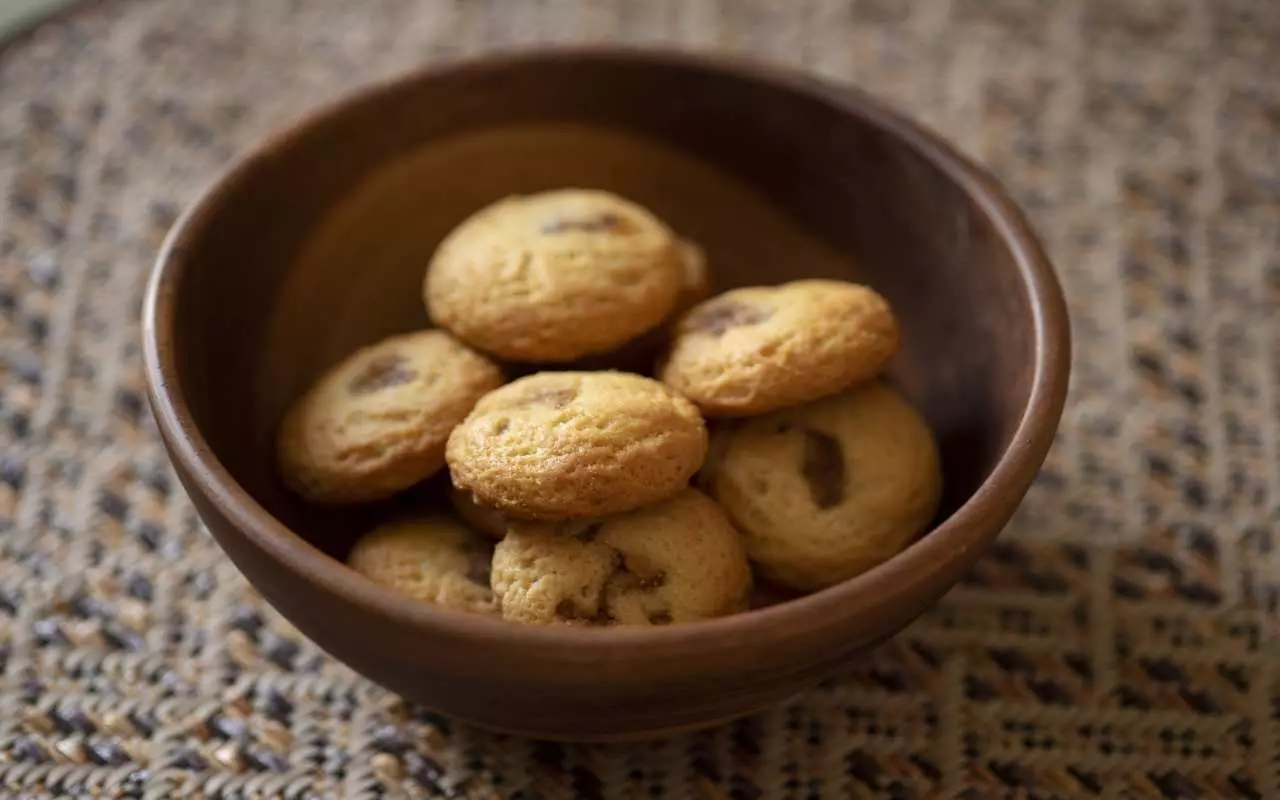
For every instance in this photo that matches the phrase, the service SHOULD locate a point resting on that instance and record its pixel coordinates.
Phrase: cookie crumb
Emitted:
(388, 768)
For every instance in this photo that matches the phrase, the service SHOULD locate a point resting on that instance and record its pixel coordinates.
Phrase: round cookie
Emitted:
(433, 559)
(479, 517)
(557, 445)
(755, 350)
(676, 561)
(555, 276)
(825, 491)
(377, 422)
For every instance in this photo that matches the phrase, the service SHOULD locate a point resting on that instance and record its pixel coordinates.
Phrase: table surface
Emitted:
(1119, 641)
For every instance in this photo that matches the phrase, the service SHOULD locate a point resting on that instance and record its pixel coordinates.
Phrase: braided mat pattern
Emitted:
(1120, 641)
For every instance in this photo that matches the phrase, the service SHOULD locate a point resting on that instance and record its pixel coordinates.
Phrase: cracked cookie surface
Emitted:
(434, 559)
(555, 276)
(675, 561)
(759, 349)
(377, 423)
(825, 491)
(558, 445)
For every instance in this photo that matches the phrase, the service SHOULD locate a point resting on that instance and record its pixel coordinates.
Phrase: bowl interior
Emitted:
(321, 243)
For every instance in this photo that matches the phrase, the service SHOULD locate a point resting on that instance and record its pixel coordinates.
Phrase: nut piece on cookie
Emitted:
(755, 350)
(377, 422)
(676, 561)
(434, 559)
(558, 445)
(826, 491)
(555, 276)
(479, 517)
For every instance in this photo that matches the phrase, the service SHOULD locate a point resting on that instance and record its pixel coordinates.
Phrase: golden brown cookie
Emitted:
(555, 276)
(479, 517)
(676, 561)
(433, 559)
(750, 351)
(377, 422)
(825, 491)
(557, 445)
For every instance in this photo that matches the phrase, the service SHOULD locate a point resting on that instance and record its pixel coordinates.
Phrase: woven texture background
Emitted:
(1120, 640)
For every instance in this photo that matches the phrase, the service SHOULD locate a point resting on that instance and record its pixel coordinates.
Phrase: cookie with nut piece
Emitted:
(557, 445)
(377, 422)
(555, 276)
(675, 561)
(754, 350)
(825, 491)
(434, 559)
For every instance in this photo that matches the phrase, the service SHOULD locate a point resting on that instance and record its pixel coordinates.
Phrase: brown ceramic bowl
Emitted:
(316, 242)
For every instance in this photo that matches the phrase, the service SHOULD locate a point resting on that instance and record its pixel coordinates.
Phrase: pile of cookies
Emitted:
(608, 500)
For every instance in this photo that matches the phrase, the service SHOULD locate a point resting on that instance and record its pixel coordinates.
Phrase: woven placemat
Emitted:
(1119, 641)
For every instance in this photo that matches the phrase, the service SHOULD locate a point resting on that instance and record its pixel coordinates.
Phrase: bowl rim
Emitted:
(948, 548)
